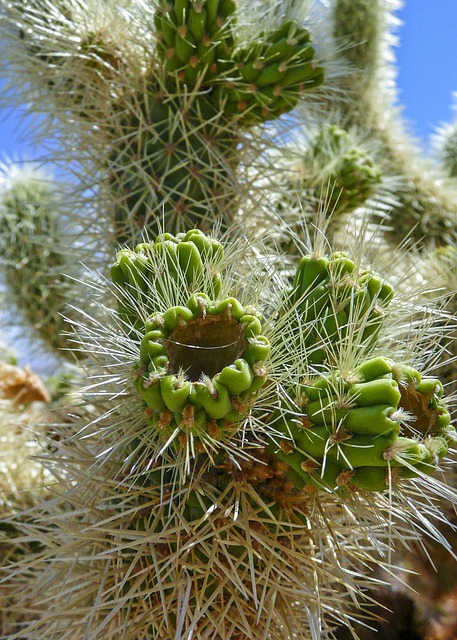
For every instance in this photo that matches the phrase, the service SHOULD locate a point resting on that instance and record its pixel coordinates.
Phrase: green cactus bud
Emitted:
(381, 414)
(380, 391)
(330, 297)
(374, 368)
(333, 169)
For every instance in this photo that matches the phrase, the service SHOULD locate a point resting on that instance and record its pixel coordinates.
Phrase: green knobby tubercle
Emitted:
(237, 377)
(371, 420)
(373, 368)
(381, 391)
(334, 302)
(175, 392)
(360, 451)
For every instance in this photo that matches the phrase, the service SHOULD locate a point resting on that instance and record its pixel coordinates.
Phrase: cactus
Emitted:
(333, 300)
(355, 430)
(425, 203)
(444, 145)
(261, 411)
(176, 135)
(33, 261)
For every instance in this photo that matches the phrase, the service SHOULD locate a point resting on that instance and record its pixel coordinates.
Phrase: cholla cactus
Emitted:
(425, 200)
(444, 143)
(31, 253)
(252, 430)
(202, 491)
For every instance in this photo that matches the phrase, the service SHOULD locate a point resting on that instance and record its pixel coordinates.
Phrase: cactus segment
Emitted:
(271, 74)
(349, 170)
(174, 160)
(176, 147)
(33, 258)
(202, 383)
(390, 425)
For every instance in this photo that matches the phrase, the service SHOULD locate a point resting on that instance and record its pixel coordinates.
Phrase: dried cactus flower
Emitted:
(21, 386)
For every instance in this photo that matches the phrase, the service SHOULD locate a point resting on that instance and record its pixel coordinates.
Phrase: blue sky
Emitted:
(427, 71)
(427, 63)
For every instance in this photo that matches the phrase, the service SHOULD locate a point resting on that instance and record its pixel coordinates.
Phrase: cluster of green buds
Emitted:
(334, 301)
(202, 358)
(195, 38)
(190, 261)
(367, 429)
(349, 170)
(271, 74)
(257, 82)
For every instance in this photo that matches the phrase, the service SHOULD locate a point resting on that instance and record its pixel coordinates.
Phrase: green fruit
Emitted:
(205, 359)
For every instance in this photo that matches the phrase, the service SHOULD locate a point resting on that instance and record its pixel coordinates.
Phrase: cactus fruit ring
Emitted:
(199, 366)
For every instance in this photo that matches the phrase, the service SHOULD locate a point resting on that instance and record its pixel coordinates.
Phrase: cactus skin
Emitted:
(358, 26)
(358, 428)
(33, 264)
